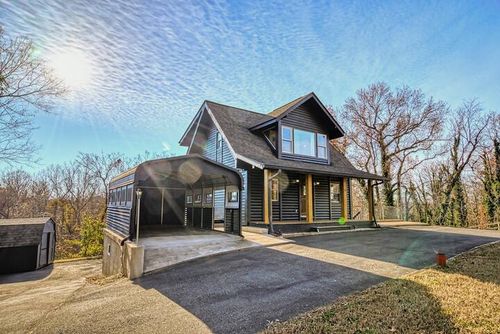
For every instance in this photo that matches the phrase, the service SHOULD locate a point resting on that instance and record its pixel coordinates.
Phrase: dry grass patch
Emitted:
(100, 279)
(462, 298)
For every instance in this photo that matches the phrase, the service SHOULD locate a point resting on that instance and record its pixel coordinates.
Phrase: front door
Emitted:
(303, 201)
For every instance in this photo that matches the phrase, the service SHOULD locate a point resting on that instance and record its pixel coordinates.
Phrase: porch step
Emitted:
(328, 228)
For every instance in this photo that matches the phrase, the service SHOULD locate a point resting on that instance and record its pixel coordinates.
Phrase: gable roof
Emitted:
(22, 231)
(278, 111)
(234, 123)
(284, 110)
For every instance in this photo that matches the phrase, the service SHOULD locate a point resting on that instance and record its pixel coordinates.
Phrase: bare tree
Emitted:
(467, 137)
(103, 166)
(26, 86)
(391, 131)
(14, 191)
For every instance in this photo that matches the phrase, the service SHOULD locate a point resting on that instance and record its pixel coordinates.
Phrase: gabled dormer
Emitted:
(301, 130)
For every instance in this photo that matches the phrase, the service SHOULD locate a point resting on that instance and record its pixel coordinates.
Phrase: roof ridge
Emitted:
(227, 105)
(278, 111)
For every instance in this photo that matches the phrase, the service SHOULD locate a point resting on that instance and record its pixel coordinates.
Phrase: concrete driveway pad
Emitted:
(237, 292)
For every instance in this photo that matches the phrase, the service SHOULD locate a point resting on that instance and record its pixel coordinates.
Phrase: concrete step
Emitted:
(329, 228)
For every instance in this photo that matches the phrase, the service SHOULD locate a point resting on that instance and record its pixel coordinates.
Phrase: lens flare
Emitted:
(73, 67)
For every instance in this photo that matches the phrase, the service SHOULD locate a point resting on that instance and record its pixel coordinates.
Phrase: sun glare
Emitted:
(73, 67)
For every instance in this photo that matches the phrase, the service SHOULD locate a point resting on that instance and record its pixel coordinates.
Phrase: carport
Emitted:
(161, 202)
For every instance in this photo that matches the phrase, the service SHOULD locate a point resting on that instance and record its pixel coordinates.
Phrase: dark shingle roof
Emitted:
(235, 124)
(21, 231)
(278, 111)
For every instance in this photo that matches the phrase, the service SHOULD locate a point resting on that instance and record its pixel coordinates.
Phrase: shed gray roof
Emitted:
(22, 231)
(235, 124)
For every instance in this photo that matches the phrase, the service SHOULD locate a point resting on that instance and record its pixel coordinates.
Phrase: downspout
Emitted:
(270, 202)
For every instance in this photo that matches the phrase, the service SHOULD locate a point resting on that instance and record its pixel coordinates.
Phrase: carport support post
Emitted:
(138, 192)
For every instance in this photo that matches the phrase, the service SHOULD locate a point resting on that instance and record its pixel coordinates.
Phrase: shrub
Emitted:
(91, 236)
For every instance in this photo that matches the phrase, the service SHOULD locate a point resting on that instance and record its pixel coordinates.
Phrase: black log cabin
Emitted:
(292, 173)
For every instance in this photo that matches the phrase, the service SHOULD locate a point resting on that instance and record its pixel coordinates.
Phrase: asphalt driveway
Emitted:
(241, 292)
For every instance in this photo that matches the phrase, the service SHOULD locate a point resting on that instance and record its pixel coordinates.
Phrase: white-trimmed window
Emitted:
(303, 142)
(189, 199)
(232, 196)
(335, 192)
(286, 139)
(321, 145)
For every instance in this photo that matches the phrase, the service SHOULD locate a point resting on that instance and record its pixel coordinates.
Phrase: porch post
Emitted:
(266, 196)
(309, 199)
(371, 213)
(344, 198)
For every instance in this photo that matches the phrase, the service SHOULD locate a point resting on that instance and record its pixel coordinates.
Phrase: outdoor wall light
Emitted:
(316, 183)
(138, 192)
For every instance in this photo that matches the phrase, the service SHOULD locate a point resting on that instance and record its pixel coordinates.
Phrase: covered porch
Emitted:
(312, 202)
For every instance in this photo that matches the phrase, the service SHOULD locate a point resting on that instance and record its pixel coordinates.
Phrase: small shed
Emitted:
(26, 244)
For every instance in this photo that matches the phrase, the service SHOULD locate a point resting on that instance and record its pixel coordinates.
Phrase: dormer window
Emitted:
(302, 142)
(321, 145)
(287, 140)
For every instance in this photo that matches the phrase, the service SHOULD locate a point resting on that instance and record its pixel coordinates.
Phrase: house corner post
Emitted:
(266, 196)
(309, 199)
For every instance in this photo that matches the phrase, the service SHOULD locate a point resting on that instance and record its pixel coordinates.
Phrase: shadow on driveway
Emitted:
(35, 275)
(243, 291)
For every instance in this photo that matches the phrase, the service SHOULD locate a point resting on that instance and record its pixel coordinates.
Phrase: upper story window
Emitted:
(301, 142)
(218, 147)
(287, 139)
(321, 145)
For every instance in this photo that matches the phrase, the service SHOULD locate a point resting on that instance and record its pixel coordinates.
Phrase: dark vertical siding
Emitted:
(290, 196)
(307, 117)
(243, 196)
(321, 197)
(232, 221)
(256, 194)
(207, 218)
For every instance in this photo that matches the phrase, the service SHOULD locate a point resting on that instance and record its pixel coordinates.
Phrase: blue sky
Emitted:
(152, 64)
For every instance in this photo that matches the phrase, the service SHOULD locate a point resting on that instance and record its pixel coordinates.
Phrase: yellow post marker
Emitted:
(344, 198)
(266, 196)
